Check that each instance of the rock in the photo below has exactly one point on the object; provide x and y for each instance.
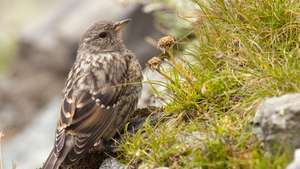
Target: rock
(295, 164)
(277, 120)
(111, 163)
(34, 142)
(194, 139)
(148, 98)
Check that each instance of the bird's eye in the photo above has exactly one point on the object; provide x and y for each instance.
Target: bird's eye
(102, 35)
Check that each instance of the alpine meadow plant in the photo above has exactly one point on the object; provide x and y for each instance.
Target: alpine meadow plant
(226, 56)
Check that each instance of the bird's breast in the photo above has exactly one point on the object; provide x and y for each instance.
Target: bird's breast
(97, 70)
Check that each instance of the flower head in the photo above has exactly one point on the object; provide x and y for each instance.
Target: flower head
(165, 42)
(154, 63)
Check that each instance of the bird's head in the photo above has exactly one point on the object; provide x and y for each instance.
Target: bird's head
(104, 36)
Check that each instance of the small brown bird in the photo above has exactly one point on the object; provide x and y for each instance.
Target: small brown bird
(101, 91)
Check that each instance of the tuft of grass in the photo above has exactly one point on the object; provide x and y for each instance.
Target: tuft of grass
(230, 56)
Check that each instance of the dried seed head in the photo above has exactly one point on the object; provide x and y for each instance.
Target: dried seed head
(237, 43)
(154, 63)
(165, 42)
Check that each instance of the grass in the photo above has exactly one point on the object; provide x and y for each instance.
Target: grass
(230, 56)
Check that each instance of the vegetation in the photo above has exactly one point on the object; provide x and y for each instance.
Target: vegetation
(7, 50)
(228, 55)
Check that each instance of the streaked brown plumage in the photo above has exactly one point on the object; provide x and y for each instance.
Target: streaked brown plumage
(102, 88)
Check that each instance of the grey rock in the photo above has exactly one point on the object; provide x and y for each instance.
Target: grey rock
(30, 148)
(277, 120)
(192, 139)
(148, 97)
(195, 139)
(111, 163)
(295, 164)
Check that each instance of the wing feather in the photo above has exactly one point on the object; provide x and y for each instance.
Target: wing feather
(87, 115)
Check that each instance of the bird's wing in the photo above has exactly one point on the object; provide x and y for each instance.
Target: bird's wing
(84, 118)
(82, 122)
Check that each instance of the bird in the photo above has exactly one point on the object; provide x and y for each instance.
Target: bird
(102, 89)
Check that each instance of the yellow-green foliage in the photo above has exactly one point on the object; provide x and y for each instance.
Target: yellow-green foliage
(7, 50)
(232, 54)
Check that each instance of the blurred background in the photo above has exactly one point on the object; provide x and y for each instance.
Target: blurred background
(38, 43)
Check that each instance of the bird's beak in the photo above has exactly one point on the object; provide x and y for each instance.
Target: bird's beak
(120, 24)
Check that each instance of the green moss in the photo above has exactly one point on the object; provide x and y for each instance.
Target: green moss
(239, 52)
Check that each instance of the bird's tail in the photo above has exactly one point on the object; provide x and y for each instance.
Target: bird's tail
(52, 162)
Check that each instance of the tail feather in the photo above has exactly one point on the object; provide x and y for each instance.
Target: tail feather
(52, 162)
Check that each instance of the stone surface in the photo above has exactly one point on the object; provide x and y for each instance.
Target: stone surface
(34, 142)
(148, 97)
(295, 164)
(194, 139)
(277, 120)
(111, 163)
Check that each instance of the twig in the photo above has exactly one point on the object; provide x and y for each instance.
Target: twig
(1, 163)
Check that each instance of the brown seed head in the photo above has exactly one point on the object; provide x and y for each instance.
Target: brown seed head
(237, 43)
(165, 42)
(154, 63)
